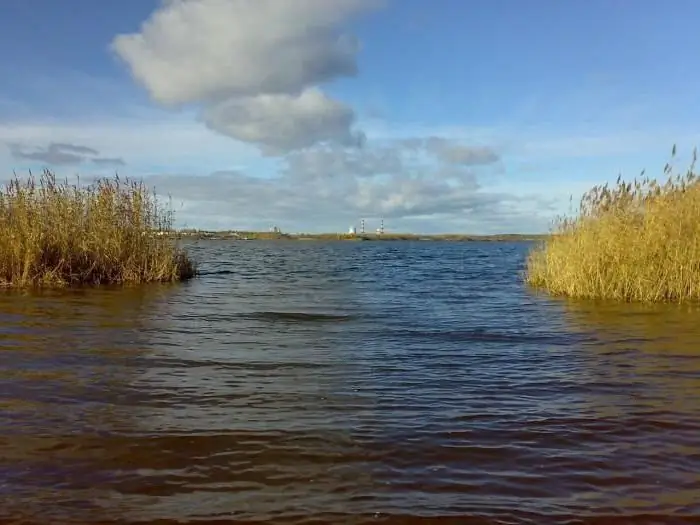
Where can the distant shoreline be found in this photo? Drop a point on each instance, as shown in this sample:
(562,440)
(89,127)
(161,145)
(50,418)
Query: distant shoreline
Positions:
(272,236)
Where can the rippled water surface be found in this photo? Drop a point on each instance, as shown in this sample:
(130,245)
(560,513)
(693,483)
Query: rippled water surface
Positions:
(353,383)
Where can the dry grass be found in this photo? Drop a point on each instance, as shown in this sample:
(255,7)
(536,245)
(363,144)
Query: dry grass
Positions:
(638,241)
(56,234)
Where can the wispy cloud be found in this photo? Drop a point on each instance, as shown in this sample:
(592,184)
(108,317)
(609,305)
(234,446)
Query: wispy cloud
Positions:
(109,161)
(62,154)
(152,141)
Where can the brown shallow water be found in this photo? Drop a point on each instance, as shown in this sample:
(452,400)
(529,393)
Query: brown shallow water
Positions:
(349,383)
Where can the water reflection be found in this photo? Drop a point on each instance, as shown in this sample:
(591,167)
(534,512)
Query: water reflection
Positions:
(66,361)
(644,397)
(249,397)
(655,347)
(346,383)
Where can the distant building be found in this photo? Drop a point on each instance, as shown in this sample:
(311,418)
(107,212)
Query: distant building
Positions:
(352,230)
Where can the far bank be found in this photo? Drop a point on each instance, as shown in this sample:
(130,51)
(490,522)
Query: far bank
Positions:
(385,237)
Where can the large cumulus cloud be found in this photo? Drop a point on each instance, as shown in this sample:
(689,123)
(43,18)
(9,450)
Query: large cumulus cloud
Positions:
(254,66)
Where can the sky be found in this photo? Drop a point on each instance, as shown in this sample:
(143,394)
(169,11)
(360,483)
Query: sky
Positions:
(480,116)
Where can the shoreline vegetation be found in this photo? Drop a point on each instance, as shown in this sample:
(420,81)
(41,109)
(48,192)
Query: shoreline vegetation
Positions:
(54,234)
(636,241)
(384,237)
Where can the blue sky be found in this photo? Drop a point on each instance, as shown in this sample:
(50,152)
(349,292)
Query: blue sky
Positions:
(480,116)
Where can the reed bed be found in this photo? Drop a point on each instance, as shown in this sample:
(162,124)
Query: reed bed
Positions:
(56,234)
(637,241)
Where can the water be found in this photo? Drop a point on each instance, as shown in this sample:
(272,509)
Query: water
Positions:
(305,383)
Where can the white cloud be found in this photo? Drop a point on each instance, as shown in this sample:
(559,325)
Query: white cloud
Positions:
(192,50)
(236,201)
(251,64)
(333,163)
(465,155)
(280,123)
(327,188)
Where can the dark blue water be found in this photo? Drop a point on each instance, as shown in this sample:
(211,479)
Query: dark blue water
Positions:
(308,382)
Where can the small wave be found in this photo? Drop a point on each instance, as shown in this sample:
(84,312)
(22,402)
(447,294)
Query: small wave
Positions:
(297,316)
(488,336)
(217,272)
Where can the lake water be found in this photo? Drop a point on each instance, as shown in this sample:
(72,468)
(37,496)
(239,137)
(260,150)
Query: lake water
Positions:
(308,382)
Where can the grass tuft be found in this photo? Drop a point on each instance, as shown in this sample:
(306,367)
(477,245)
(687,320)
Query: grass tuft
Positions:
(638,241)
(56,234)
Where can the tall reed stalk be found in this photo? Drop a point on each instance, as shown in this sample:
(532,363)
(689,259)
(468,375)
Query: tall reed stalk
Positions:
(56,234)
(637,241)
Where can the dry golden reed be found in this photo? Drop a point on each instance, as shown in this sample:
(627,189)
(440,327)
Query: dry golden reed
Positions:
(56,234)
(637,241)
